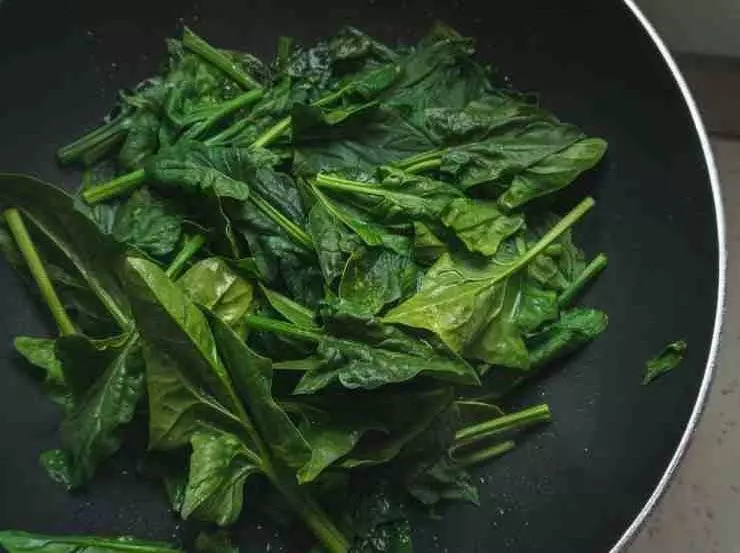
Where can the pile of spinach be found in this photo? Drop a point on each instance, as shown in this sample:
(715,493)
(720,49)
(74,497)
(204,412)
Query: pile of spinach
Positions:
(323,271)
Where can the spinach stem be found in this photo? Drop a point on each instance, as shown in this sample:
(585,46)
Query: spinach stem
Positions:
(106,134)
(218,59)
(485,454)
(18,228)
(589,273)
(311,513)
(115,187)
(500,425)
(192,245)
(226,109)
(417,159)
(273,133)
(258,322)
(550,236)
(282,126)
(228,133)
(82,543)
(345,185)
(290,227)
(422,166)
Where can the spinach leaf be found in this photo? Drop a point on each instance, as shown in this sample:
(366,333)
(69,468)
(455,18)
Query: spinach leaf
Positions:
(142,221)
(252,377)
(574,328)
(553,172)
(169,321)
(16,542)
(397,197)
(219,466)
(40,352)
(89,431)
(375,277)
(198,168)
(480,225)
(212,284)
(444,480)
(331,433)
(360,138)
(135,116)
(291,310)
(664,362)
(333,241)
(428,247)
(459,301)
(439,72)
(75,237)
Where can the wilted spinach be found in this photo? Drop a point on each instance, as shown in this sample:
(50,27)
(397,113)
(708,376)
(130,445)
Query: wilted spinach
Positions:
(315,271)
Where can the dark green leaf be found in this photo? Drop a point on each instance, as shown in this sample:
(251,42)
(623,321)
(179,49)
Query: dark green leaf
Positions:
(480,225)
(219,466)
(375,277)
(574,329)
(292,311)
(215,542)
(553,172)
(459,300)
(333,241)
(196,167)
(141,221)
(89,432)
(40,352)
(396,198)
(428,248)
(52,212)
(169,321)
(363,139)
(389,357)
(252,377)
(665,361)
(443,481)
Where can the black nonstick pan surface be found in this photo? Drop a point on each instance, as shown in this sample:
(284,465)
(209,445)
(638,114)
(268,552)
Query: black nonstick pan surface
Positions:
(574,487)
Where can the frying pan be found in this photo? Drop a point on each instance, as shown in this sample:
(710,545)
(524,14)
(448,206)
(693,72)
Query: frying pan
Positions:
(583,484)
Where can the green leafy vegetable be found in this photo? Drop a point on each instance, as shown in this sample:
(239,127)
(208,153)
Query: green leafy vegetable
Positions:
(666,361)
(17,542)
(310,276)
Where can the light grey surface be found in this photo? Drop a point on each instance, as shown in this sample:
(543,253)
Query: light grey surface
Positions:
(699,26)
(700,512)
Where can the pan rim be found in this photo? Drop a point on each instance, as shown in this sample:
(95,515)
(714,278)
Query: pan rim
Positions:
(631,532)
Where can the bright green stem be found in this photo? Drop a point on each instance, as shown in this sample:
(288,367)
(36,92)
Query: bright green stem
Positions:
(298,234)
(226,109)
(553,234)
(282,126)
(99,139)
(501,425)
(422,166)
(485,454)
(258,322)
(345,185)
(84,543)
(418,159)
(228,133)
(218,59)
(273,133)
(313,516)
(36,266)
(192,245)
(589,273)
(113,188)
